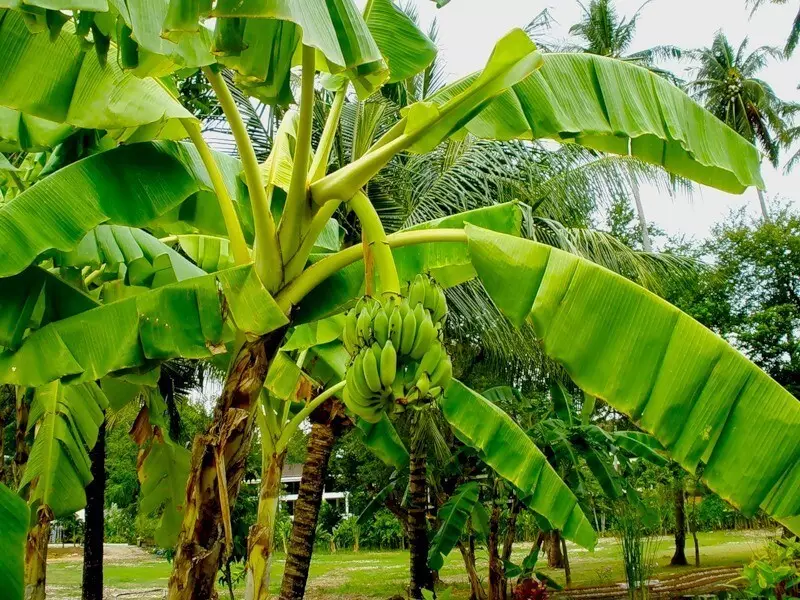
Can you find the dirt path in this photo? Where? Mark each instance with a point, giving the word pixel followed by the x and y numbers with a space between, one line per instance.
pixel 706 581
pixel 114 554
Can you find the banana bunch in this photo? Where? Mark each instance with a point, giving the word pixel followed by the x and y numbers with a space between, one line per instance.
pixel 396 349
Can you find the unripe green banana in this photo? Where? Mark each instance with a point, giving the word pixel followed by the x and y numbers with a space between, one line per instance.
pixel 416 291
pixel 423 385
pixel 426 333
pixel 431 301
pixel 364 326
pixel 395 327
pixel 430 360
pixel 443 373
pixel 349 333
pixel 435 392
pixel 405 308
pixel 408 330
pixel 388 364
pixel 370 368
pixel 380 327
pixel 360 383
pixel 441 306
pixel 419 314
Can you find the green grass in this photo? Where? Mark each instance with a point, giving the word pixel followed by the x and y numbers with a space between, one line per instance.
pixel 371 575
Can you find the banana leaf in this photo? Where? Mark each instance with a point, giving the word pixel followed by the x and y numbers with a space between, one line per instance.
pixel 34 298
pixel 453 516
pixel 382 440
pixel 615 106
pixel 130 254
pixel 191 319
pixel 642 445
pixel 376 503
pixel 64 82
pixel 405 48
pixel 336 29
pixel 20 132
pixel 14 515
pixel 209 252
pixel 315 333
pixel 448 262
pixel 600 466
pixel 561 402
pixel 130 185
pixel 508 450
pixel 704 401
pixel 67 419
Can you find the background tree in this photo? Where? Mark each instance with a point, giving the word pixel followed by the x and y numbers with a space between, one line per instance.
pixel 726 82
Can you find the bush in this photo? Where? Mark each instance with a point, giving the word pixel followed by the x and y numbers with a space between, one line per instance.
pixel 119 526
pixel 383 532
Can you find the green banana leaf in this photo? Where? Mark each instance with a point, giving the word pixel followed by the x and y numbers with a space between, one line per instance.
pixel 587 409
pixel 209 252
pixel 34 298
pixel 603 472
pixel 642 445
pixel 14 515
pixel 406 50
pixel 163 470
pixel 561 402
pixel 286 381
pixel 703 400
pixel 376 503
pixel 336 29
pixel 448 262
pixel 64 82
pixel 130 185
pixel 130 254
pixel 315 333
pixel 615 106
pixel 190 319
pixel 24 133
pixel 508 450
pixel 382 440
pixel 453 516
pixel 67 419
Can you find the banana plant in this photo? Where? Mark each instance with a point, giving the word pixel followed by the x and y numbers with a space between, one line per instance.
pixel 701 399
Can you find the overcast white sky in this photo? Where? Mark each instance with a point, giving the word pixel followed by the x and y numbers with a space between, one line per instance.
pixel 469 28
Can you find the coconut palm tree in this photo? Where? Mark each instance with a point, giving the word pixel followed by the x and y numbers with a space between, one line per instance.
pixel 603 32
pixel 794 34
pixel 726 81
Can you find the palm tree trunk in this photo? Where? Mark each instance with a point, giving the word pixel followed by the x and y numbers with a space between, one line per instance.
pixel 36 555
pixel 261 540
pixel 496 570
pixel 647 243
pixel 166 387
pixel 94 532
pixel 511 534
pixel 417 523
pixel 762 199
pixel 555 557
pixel 201 543
pixel 306 511
pixel 679 558
pixel 468 554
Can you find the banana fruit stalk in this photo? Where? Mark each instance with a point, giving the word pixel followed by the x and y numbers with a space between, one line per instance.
pixel 397 354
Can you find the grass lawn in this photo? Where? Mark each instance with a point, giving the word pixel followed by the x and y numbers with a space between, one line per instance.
pixel 376 575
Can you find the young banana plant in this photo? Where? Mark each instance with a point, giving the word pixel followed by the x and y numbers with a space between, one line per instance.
pixel 703 401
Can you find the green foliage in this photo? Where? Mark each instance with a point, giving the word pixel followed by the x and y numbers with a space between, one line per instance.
pixel 14 515
pixel 775 573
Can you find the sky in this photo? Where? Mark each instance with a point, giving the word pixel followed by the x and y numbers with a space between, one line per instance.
pixel 468 30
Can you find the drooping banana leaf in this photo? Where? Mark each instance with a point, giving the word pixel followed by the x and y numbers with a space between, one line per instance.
pixel 34 298
pixel 448 262
pixel 561 402
pixel 14 515
pixel 67 419
pixel 642 445
pixel 130 185
pixel 703 400
pixel 131 254
pixel 615 106
pixel 600 466
pixel 376 503
pixel 64 82
pixel 508 450
pixel 336 29
pixel 453 516
pixel 286 381
pixel 382 440
pixel 163 470
pixel 192 319
pixel 20 132
pixel 405 48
